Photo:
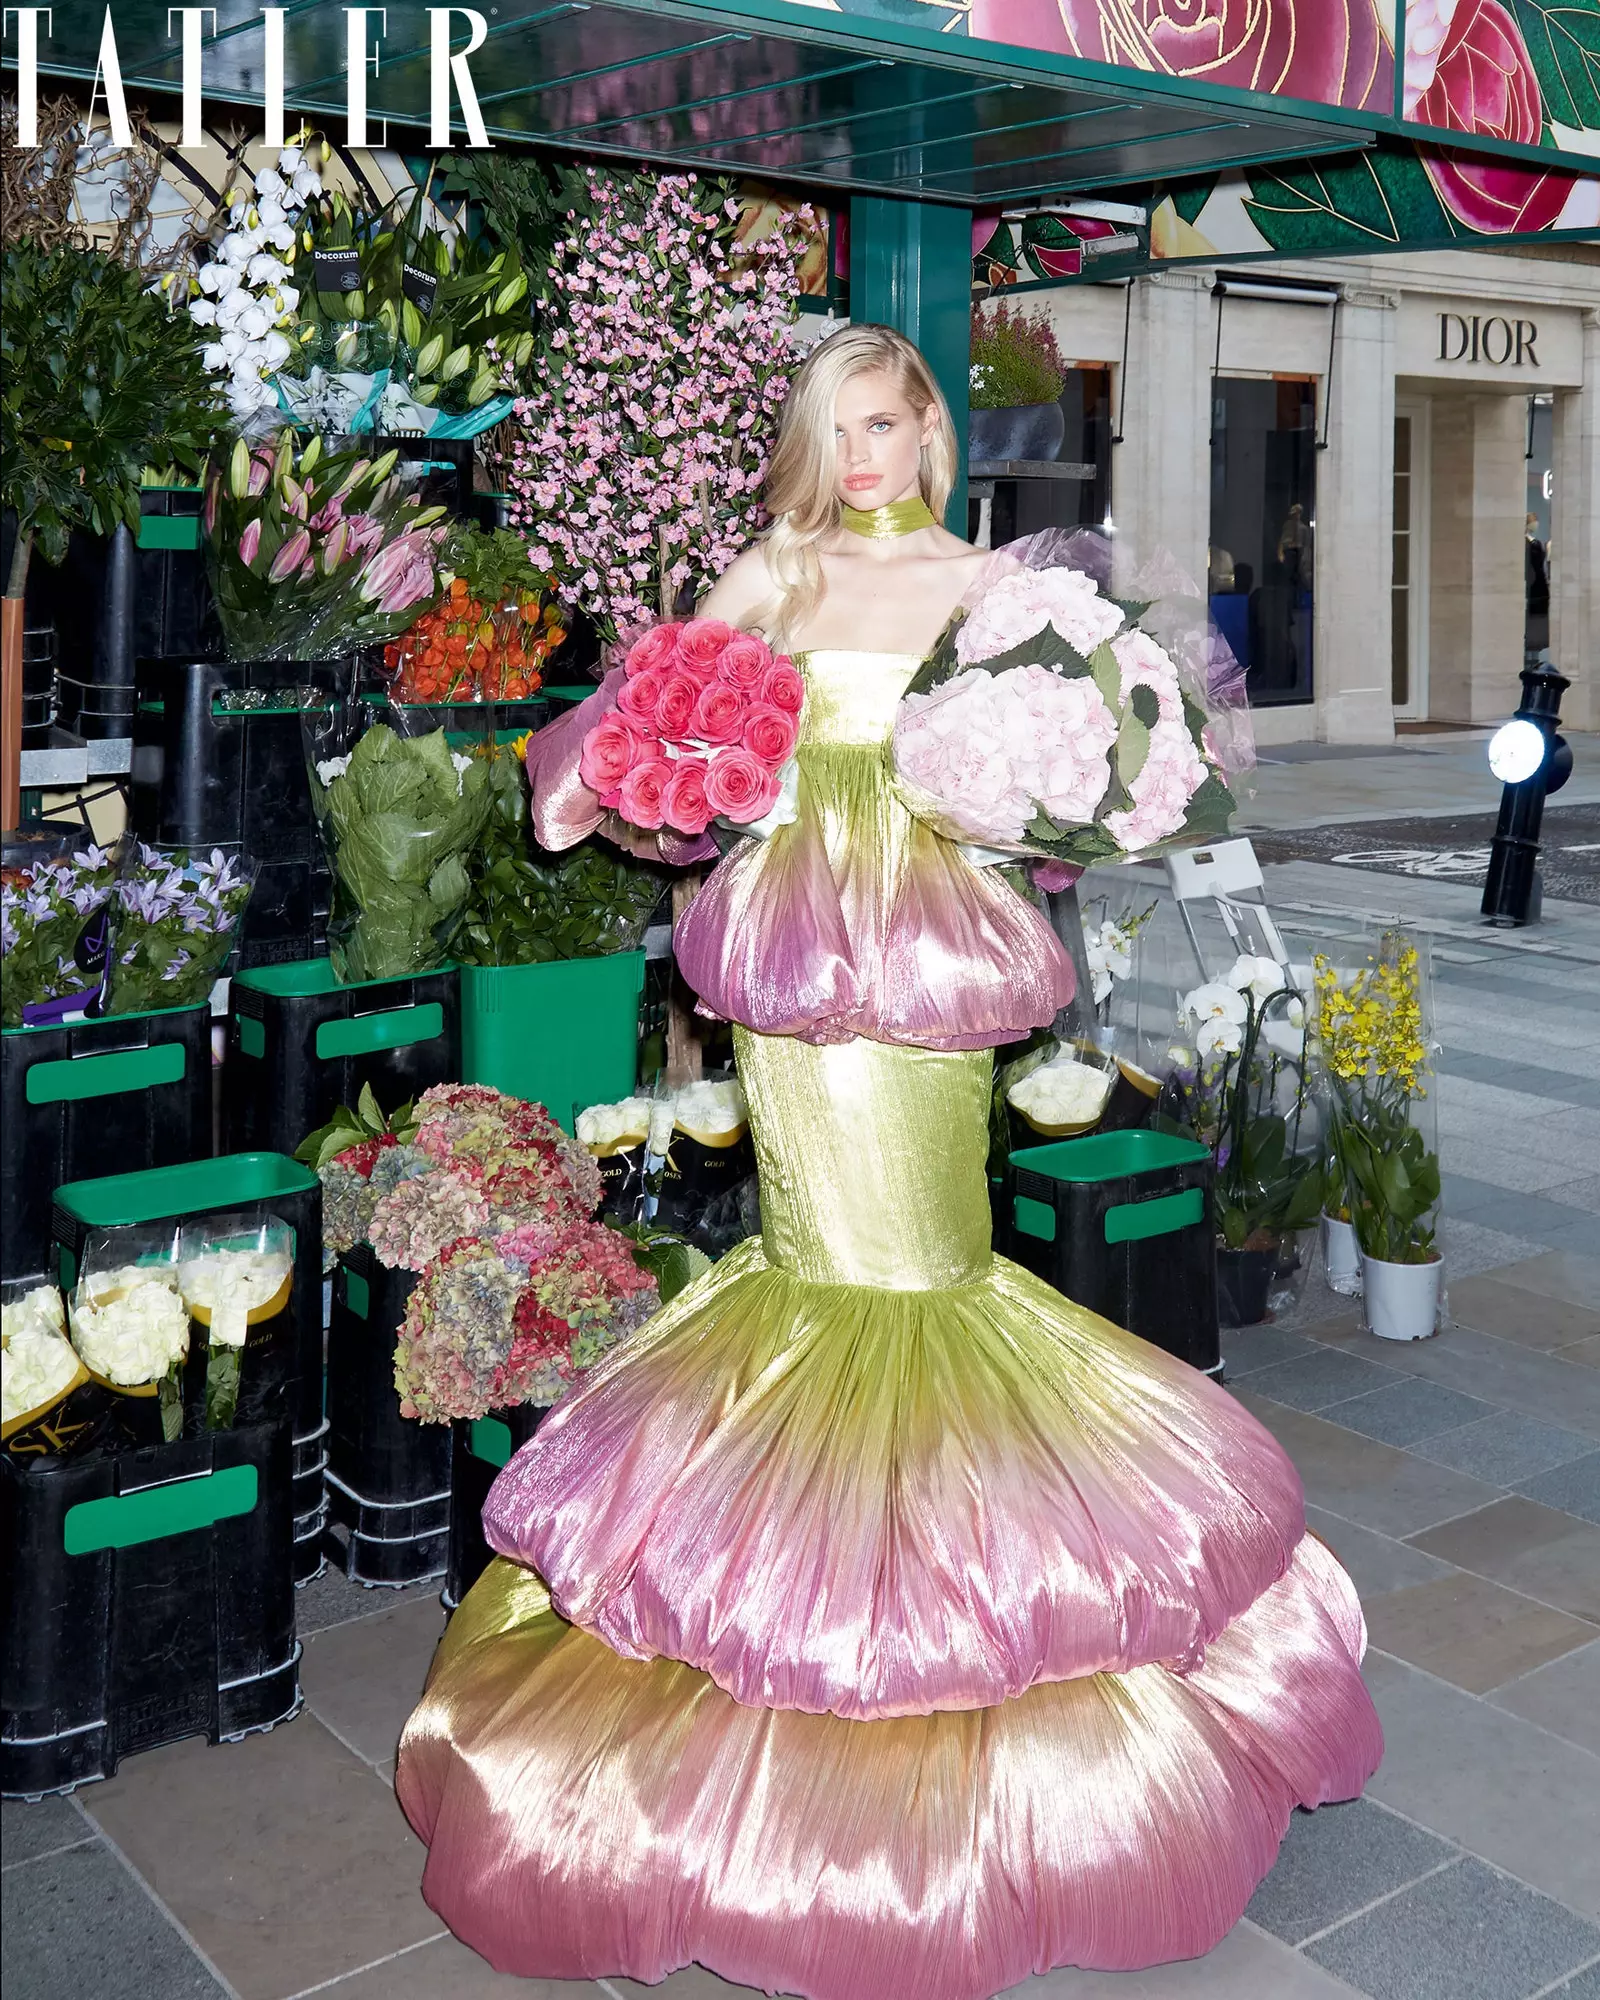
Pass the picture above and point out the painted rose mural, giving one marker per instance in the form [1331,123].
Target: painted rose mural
[1328,51]
[1518,72]
[1469,68]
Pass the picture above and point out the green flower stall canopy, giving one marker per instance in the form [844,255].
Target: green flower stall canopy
[895,98]
[1236,128]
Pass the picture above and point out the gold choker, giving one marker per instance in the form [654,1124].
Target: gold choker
[884,524]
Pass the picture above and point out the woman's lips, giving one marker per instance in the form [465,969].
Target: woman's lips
[861,481]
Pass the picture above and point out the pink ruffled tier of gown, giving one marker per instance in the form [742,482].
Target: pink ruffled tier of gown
[590,1815]
[1064,1499]
[853,920]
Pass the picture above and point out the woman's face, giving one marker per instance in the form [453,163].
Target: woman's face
[879,438]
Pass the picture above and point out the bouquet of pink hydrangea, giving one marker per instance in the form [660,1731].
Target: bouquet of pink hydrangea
[1050,722]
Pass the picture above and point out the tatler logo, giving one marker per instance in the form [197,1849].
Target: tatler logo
[1501,342]
[365,28]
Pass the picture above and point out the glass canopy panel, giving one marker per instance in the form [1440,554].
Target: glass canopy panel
[871,99]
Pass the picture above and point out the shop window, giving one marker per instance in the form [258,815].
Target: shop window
[1026,503]
[1401,580]
[1263,531]
[1538,554]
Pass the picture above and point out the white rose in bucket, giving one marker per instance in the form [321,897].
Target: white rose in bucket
[603,1128]
[129,1325]
[37,1311]
[711,1110]
[1062,1093]
[37,1367]
[229,1285]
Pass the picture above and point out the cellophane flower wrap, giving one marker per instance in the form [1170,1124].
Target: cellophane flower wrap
[401,807]
[174,924]
[236,1279]
[129,1323]
[704,728]
[1373,1032]
[38,1365]
[315,554]
[491,1204]
[1058,721]
[52,933]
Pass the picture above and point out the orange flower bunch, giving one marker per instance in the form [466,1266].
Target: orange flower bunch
[465,649]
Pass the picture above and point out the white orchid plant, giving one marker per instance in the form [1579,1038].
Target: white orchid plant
[1243,1087]
[244,297]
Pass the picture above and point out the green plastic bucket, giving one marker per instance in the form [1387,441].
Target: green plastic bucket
[563,1035]
[1122,1223]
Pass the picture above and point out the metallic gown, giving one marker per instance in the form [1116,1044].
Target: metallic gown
[877,1624]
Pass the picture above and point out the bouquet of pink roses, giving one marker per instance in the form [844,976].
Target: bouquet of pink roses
[704,728]
[1050,723]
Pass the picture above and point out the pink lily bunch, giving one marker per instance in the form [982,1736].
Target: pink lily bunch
[316,553]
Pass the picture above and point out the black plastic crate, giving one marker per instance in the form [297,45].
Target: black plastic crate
[204,772]
[388,1476]
[174,612]
[478,1451]
[250,1185]
[79,1101]
[1122,1223]
[95,710]
[149,1597]
[38,685]
[300,1045]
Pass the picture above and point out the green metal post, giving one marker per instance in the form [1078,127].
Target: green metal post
[911,268]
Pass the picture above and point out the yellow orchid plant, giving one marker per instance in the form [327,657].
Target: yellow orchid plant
[1381,1174]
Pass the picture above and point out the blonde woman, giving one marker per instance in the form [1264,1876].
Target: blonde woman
[878,1625]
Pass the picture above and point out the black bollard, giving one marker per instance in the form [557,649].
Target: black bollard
[1533,759]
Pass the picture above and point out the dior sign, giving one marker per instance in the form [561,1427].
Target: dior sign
[1501,342]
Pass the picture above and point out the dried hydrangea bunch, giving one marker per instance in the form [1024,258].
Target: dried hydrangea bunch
[490,1203]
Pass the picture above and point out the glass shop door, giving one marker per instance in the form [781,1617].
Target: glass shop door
[1262,562]
[1408,578]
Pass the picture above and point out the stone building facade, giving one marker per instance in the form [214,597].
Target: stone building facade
[1454,457]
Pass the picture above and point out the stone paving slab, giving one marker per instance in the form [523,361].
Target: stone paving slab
[75,1925]
[1466,1933]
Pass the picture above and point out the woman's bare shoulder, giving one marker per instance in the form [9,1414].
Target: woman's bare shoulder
[744,584]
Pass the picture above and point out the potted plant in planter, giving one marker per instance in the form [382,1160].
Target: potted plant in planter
[98,379]
[551,956]
[1016,378]
[1375,1053]
[1243,1092]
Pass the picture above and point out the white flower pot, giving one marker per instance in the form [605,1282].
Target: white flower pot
[1341,1256]
[1402,1300]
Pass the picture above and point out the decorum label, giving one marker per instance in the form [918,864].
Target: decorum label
[338,270]
[419,287]
[1488,337]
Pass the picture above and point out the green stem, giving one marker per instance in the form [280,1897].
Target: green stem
[17,580]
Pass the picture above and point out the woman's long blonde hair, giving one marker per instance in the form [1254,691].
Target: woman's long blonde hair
[802,483]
